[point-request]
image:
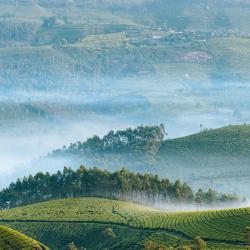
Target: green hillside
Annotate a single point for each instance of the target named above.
(223, 229)
(13, 240)
(215, 157)
(230, 140)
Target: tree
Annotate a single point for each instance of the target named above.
(161, 247)
(72, 246)
(199, 197)
(149, 245)
(210, 196)
(186, 248)
(108, 232)
(121, 184)
(200, 244)
(248, 235)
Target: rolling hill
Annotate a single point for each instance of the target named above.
(209, 159)
(102, 219)
(13, 240)
(217, 156)
(219, 149)
(230, 140)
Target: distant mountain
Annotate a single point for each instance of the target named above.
(52, 44)
(145, 50)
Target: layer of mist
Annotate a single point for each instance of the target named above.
(182, 207)
(35, 123)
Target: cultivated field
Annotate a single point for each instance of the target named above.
(11, 239)
(225, 229)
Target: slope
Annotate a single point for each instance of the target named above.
(227, 141)
(11, 239)
(216, 157)
(228, 228)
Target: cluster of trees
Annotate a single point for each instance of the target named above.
(122, 184)
(198, 244)
(107, 233)
(211, 195)
(141, 140)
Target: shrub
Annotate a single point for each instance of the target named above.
(108, 232)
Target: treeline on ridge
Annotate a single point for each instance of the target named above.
(122, 184)
(153, 141)
(141, 140)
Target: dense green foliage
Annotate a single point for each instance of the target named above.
(141, 140)
(143, 188)
(11, 239)
(69, 219)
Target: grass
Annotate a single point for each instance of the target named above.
(225, 227)
(11, 239)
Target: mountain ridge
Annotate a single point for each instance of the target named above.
(212, 157)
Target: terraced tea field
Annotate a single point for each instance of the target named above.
(11, 239)
(225, 229)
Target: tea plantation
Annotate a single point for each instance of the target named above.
(11, 239)
(100, 223)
